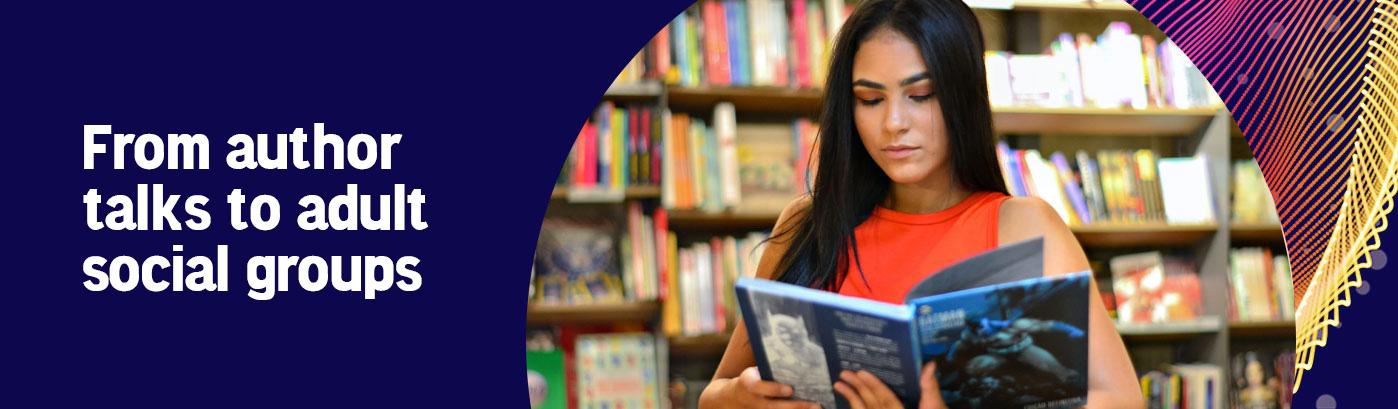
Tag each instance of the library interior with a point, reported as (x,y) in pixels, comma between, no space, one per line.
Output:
(679,175)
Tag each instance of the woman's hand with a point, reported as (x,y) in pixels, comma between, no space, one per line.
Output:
(748,390)
(865,391)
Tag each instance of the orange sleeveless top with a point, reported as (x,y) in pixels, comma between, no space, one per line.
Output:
(897,250)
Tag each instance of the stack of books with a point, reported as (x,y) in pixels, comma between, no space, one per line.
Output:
(1112,186)
(1261,286)
(755,167)
(1117,69)
(1151,289)
(703,292)
(1184,386)
(742,43)
(1252,202)
(617,147)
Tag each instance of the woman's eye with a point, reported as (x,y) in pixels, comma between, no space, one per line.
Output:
(920,98)
(870,102)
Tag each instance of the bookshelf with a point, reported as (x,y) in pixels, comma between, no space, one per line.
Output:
(1082,121)
(1171,331)
(707,346)
(1109,235)
(1263,330)
(1102,121)
(605,196)
(1098,235)
(1256,233)
(760,100)
(1024,25)
(1070,5)
(607,313)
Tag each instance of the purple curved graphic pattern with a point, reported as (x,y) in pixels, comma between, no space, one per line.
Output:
(1311,84)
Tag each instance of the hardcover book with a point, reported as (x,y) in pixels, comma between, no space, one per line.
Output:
(1002,334)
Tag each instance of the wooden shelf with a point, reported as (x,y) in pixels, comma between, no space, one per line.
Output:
(1069,5)
(636,311)
(1106,235)
(1169,331)
(1084,121)
(698,220)
(603,196)
(699,346)
(1102,121)
(1092,235)
(1262,329)
(635,92)
(1255,233)
(770,100)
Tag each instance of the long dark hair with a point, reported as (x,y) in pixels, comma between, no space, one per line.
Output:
(849,184)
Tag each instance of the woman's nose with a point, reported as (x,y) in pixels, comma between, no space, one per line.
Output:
(896,118)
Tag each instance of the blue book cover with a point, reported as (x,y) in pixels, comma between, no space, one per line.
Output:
(730,24)
(1003,335)
(679,37)
(739,49)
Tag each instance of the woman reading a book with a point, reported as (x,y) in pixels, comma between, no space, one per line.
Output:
(908,183)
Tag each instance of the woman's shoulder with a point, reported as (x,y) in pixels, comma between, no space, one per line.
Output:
(1024,217)
(794,212)
(779,242)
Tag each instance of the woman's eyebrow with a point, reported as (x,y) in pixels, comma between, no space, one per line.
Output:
(919,77)
(906,81)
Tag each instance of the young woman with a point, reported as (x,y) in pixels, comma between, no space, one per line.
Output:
(908,183)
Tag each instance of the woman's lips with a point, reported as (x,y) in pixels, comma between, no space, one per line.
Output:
(899,151)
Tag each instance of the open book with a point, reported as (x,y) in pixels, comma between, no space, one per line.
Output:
(1003,335)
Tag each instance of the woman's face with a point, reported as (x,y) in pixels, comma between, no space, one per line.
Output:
(896,110)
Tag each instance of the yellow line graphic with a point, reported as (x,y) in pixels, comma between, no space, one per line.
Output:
(1368,197)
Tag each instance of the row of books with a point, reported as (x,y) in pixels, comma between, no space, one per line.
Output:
(1252,201)
(588,261)
(617,146)
(1184,386)
(1116,69)
(572,369)
(1151,288)
(713,165)
(703,301)
(623,369)
(755,167)
(742,43)
(575,262)
(1113,186)
(1261,286)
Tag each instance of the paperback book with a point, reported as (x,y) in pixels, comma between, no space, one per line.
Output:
(1002,334)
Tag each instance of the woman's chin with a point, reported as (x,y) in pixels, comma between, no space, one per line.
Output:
(907,176)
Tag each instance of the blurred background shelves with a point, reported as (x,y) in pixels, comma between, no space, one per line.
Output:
(1256,232)
(1052,5)
(1102,121)
(700,97)
(575,195)
(601,313)
(1169,331)
(707,346)
(1263,330)
(1160,235)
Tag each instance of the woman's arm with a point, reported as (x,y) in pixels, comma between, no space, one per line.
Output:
(1111,380)
(737,358)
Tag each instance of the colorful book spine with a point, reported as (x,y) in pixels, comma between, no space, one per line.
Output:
(732,28)
(742,44)
(800,50)
(1071,187)
(680,48)
(726,131)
